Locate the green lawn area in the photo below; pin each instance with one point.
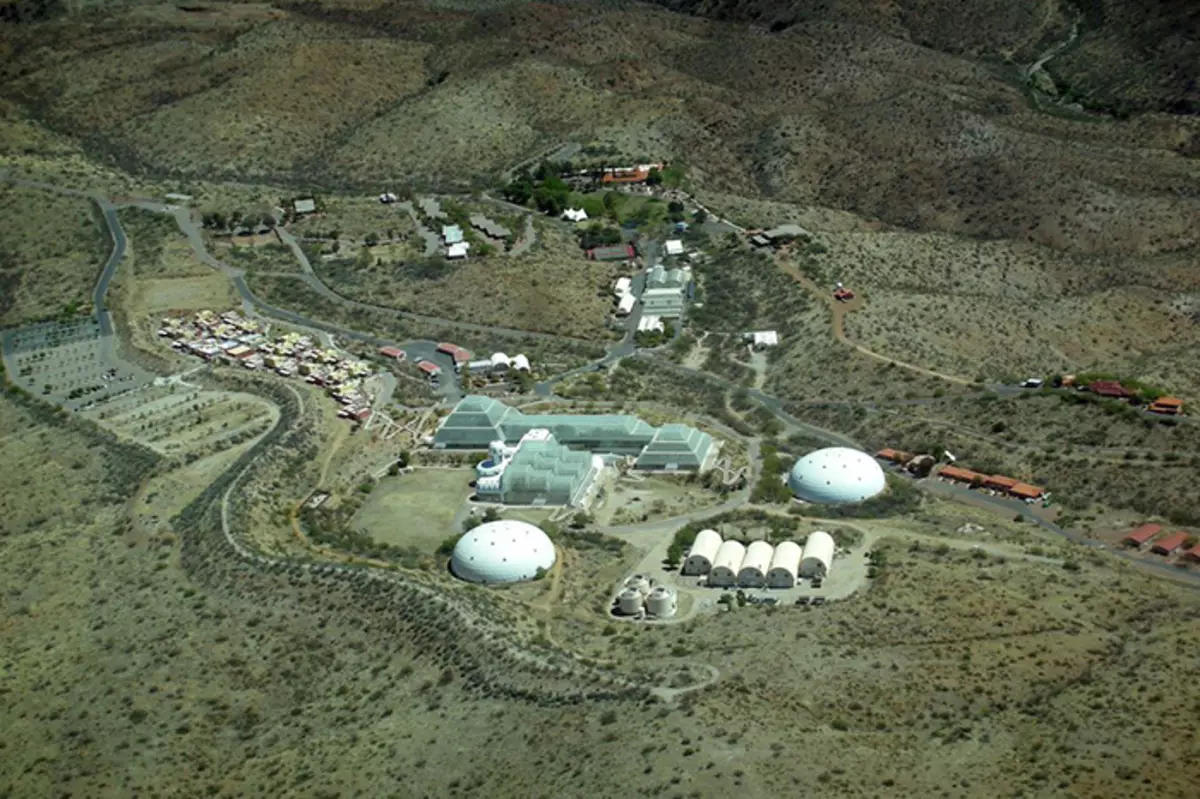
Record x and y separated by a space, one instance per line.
627 207
415 510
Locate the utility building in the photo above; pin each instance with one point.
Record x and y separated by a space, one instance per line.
755 565
785 565
727 564
703 552
818 555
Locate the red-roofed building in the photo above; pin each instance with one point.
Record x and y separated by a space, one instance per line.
456 352
1170 544
1140 535
429 367
893 455
616 252
999 482
1109 388
961 475
1193 553
1026 491
392 352
1166 405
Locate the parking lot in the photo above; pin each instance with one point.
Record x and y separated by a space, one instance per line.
69 363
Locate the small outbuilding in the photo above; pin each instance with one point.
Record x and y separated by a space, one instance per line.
703 552
305 206
755 565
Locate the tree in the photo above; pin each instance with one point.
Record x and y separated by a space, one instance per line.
403 459
700 217
654 178
491 515
581 519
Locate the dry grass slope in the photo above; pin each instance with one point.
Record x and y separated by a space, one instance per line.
51 251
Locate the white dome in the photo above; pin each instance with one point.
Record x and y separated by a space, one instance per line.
836 474
505 551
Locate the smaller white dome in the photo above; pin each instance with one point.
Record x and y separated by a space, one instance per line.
836 474
504 551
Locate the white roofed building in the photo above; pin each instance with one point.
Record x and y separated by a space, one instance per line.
764 338
625 305
505 551
458 250
452 234
650 322
575 215
703 552
785 565
674 247
836 475
818 554
727 564
756 563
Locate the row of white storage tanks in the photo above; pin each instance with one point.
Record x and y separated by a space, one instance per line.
637 597
729 563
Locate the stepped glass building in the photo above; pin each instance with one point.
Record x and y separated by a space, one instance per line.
477 421
536 471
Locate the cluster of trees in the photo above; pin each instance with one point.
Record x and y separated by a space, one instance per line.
549 194
771 487
218 220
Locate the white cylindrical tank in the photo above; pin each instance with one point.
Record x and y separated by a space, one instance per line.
640 583
753 571
703 552
785 565
629 602
818 554
662 602
726 564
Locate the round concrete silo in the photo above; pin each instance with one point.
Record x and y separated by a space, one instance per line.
662 602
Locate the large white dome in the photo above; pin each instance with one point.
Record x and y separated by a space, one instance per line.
836 474
506 551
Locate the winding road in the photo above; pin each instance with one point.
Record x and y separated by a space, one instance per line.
626 347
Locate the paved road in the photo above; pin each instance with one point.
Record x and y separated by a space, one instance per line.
425 349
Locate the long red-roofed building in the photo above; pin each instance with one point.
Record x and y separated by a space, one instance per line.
1026 491
1109 388
1168 545
960 475
1140 535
